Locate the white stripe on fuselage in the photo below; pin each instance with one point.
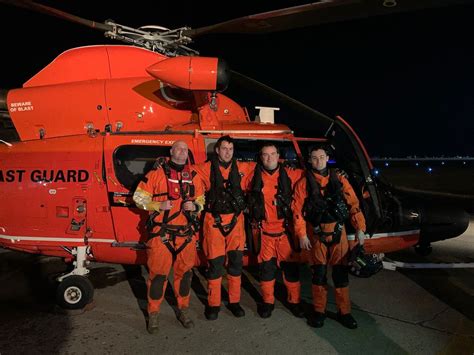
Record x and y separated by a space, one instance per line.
19 238
392 234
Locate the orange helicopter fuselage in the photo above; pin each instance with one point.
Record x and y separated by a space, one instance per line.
92 118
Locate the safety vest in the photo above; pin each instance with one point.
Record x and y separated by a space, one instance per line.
225 196
327 208
179 185
255 198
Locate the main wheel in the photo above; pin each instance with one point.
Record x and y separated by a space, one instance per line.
74 292
423 250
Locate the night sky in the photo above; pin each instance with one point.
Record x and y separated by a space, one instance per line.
404 82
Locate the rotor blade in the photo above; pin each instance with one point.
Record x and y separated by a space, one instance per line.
325 11
30 5
247 82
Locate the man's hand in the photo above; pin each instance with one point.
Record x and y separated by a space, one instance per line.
305 244
360 236
165 205
189 206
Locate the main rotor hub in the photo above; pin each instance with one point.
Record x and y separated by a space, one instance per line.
155 38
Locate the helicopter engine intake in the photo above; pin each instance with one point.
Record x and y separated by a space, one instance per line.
192 73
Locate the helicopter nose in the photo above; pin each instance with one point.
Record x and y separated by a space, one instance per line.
441 222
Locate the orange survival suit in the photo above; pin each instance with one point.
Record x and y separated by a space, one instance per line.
320 208
223 226
269 203
172 241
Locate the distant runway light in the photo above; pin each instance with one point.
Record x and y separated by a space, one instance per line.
417 164
430 170
463 163
442 163
386 164
376 172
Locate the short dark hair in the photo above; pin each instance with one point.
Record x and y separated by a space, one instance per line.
226 138
269 144
324 147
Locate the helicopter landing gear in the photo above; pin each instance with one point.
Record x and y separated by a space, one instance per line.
424 249
75 290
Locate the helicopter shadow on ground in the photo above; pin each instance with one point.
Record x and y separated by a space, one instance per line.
29 319
106 276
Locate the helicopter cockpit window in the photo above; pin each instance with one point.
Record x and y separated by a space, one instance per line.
132 162
248 149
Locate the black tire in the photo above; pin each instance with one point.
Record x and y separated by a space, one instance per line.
423 250
74 292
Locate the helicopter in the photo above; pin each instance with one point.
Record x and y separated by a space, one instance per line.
82 132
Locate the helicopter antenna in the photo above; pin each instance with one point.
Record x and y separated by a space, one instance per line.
155 38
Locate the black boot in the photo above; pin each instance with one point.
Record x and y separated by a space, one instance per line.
316 319
265 310
347 320
212 313
296 309
153 323
184 319
236 310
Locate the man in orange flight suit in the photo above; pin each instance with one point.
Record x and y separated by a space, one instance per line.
270 192
223 227
323 200
174 197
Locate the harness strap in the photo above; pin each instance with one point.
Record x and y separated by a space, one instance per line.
169 236
225 229
336 234
274 234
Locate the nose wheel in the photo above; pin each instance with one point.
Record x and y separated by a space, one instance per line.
74 292
423 249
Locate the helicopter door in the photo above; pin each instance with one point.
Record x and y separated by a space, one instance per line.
351 156
126 164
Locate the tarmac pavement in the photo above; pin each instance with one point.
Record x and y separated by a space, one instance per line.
411 311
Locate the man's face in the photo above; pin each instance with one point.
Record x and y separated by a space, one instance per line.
269 156
179 152
225 152
319 159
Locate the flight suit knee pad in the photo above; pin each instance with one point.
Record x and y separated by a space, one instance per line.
216 268
235 262
291 271
340 276
156 287
268 270
185 284
319 275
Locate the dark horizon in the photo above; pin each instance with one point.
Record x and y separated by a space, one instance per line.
404 82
